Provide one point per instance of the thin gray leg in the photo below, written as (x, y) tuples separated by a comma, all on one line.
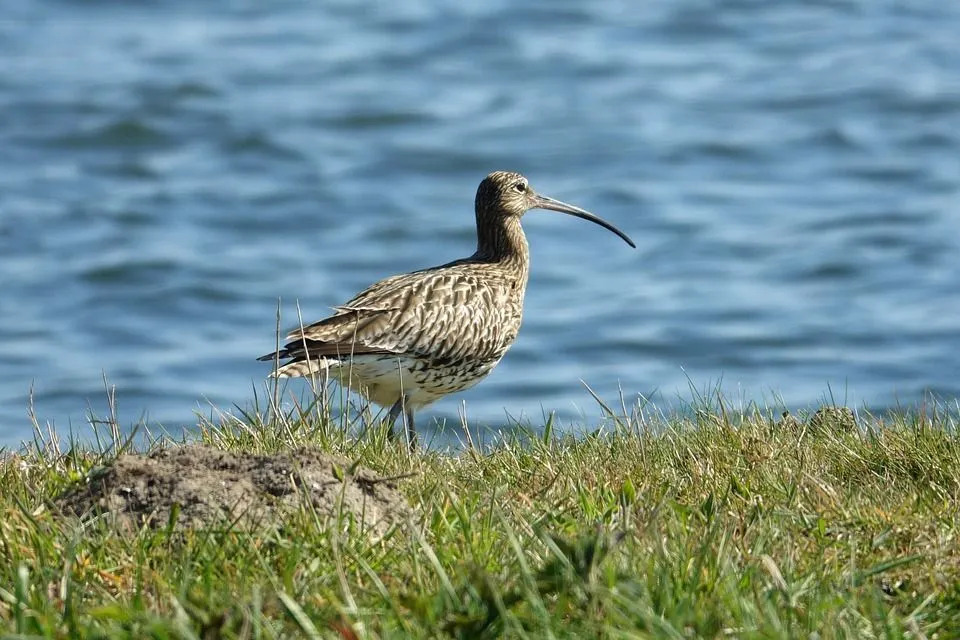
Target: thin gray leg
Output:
[(395, 412), (411, 430)]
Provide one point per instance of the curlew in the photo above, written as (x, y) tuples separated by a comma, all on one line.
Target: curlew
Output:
[(413, 338)]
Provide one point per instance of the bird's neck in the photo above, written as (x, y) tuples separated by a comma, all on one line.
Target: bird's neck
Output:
[(502, 241)]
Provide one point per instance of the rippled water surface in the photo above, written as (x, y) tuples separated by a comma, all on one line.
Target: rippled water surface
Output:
[(789, 171)]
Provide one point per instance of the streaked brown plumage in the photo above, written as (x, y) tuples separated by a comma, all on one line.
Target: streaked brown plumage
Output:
[(411, 339)]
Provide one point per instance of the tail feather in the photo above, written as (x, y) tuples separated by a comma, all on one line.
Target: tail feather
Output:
[(283, 354), (303, 368), (300, 348), (308, 357)]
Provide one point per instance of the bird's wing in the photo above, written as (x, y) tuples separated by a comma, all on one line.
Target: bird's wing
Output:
[(352, 329), (439, 313)]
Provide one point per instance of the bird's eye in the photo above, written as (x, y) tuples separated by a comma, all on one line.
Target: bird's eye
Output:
[(520, 186)]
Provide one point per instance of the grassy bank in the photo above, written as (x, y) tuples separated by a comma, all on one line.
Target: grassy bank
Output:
[(708, 524)]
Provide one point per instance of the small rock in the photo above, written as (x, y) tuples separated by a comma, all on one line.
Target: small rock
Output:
[(787, 421), (835, 419)]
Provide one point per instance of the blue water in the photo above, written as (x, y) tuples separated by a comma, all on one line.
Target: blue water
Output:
[(790, 172)]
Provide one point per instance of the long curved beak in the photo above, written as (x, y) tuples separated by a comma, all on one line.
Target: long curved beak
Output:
[(543, 202)]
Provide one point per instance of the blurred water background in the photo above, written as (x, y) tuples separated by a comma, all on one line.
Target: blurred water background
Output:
[(790, 172)]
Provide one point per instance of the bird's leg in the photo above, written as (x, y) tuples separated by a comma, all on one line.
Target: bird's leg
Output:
[(395, 412), (411, 430)]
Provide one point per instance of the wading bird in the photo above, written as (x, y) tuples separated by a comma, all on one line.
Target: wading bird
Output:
[(413, 338)]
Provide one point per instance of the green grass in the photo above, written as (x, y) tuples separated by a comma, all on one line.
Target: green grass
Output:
[(707, 523)]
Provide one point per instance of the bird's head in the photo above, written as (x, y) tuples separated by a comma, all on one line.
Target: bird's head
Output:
[(507, 194)]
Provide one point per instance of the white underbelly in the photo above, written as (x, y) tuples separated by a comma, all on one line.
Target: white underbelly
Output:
[(384, 379)]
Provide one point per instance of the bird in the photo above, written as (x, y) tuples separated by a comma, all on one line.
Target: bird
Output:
[(411, 339)]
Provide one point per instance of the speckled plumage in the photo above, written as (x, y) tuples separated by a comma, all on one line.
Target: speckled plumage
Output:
[(413, 338)]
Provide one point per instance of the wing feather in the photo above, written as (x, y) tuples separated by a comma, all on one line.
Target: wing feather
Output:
[(439, 313)]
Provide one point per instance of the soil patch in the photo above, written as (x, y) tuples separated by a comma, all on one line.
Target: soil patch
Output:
[(214, 487)]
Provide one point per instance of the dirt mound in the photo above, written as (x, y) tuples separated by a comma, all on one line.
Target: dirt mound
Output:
[(214, 487)]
